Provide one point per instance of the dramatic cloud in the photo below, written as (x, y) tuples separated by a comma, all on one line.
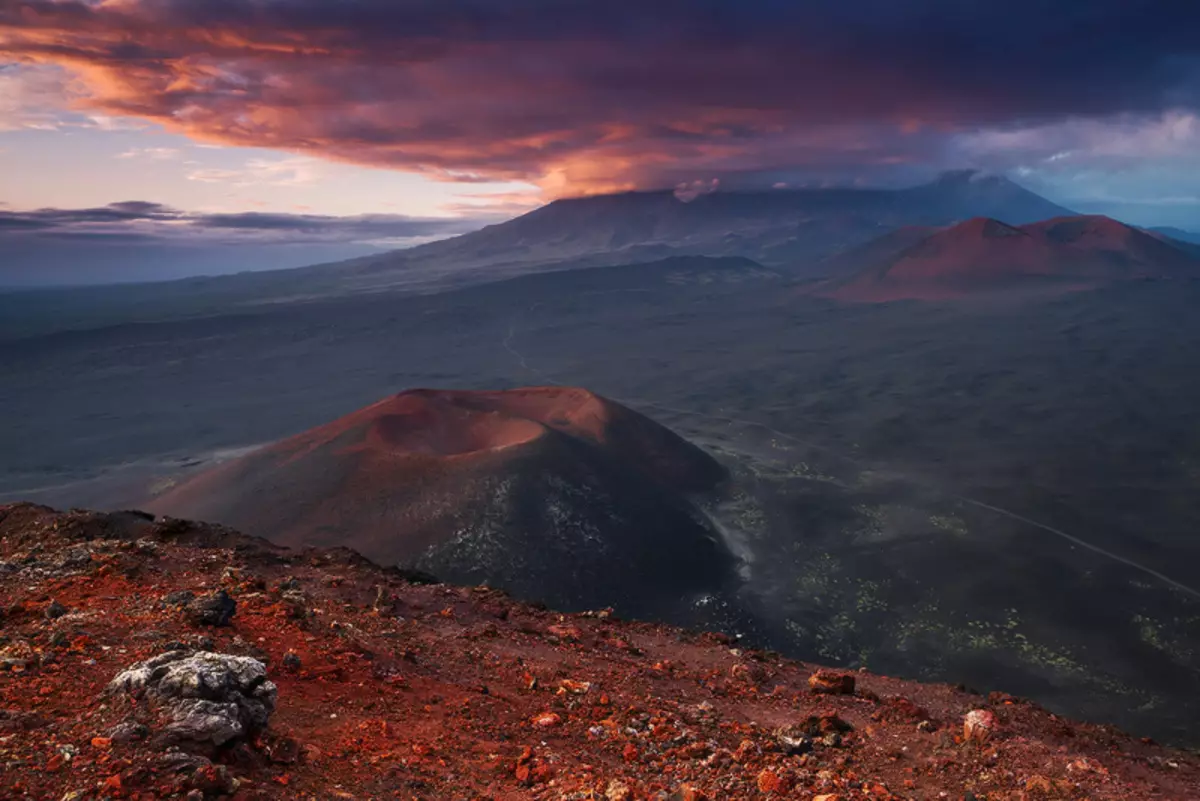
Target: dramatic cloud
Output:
[(602, 94)]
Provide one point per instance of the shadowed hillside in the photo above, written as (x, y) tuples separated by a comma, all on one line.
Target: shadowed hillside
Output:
[(555, 494)]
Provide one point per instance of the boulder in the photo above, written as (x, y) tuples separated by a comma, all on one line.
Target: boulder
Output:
[(830, 682), (203, 697), (979, 725)]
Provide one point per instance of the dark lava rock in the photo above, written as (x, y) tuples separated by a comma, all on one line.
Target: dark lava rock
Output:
[(214, 609), (55, 610), (128, 732), (179, 597)]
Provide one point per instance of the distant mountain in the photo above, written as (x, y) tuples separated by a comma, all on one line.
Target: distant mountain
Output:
[(784, 229), (796, 232), (985, 254), (1184, 240), (554, 494), (849, 262), (1178, 234)]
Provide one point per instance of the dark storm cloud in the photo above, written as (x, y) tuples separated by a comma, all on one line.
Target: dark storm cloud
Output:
[(590, 94), (152, 222), (112, 213)]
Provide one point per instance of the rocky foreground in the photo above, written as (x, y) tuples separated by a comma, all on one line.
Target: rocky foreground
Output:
[(147, 659)]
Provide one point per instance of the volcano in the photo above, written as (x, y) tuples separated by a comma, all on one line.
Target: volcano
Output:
[(554, 494), (983, 254)]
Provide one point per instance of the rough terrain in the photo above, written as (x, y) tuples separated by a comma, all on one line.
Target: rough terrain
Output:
[(380, 686)]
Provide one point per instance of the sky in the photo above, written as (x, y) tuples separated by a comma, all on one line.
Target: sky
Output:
[(242, 134)]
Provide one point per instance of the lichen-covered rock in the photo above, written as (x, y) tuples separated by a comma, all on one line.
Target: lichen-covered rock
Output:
[(203, 697)]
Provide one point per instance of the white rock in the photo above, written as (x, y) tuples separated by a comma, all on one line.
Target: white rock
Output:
[(206, 697)]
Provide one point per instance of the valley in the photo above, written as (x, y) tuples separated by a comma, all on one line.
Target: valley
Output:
[(886, 456)]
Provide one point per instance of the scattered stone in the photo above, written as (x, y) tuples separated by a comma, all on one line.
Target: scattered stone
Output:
[(128, 732), (205, 697), (821, 725), (832, 740), (618, 791), (181, 762), (775, 782), (291, 661), (566, 633), (213, 780), (283, 751), (55, 610), (829, 682), (546, 720), (793, 740), (296, 603), (927, 726), (289, 583), (899, 708), (214, 609), (687, 792), (978, 725), (179, 598), (1085, 765)]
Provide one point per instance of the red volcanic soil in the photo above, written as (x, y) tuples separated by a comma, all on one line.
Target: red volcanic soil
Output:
[(1064, 253), (507, 487), (388, 689), (460, 423)]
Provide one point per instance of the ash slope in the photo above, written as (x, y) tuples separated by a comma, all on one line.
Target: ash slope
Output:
[(436, 692), (983, 254), (554, 494)]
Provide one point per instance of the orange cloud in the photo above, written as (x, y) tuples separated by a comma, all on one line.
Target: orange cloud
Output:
[(588, 96)]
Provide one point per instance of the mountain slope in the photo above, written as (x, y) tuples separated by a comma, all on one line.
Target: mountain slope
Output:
[(386, 688), (984, 254), (553, 493), (793, 229)]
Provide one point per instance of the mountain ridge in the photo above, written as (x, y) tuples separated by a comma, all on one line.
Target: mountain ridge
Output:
[(778, 228), (983, 254)]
